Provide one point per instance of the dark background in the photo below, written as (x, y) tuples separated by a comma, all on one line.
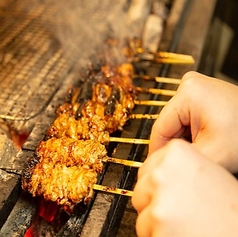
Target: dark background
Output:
[(229, 15)]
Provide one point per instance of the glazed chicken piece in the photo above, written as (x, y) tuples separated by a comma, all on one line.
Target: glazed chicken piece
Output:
[(65, 171), (84, 128), (99, 108)]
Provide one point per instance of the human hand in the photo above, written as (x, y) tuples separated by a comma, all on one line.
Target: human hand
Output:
[(208, 109), (180, 193)]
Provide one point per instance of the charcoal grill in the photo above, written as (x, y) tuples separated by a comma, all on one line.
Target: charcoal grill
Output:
[(35, 77)]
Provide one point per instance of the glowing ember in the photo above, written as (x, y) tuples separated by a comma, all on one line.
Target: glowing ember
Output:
[(29, 233), (48, 210), (18, 138)]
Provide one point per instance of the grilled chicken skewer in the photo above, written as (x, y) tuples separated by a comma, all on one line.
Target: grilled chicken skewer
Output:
[(96, 187), (130, 163), (136, 52), (65, 170)]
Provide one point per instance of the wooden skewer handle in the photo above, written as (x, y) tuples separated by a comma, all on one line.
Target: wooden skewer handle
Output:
[(157, 91), (150, 102), (129, 163), (112, 190), (168, 80), (164, 57), (144, 116), (174, 60), (129, 140), (174, 55)]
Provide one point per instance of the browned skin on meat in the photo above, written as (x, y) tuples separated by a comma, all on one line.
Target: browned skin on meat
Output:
[(94, 123), (66, 171), (84, 128)]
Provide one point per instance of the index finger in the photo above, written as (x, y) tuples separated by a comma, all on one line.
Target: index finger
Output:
[(171, 123)]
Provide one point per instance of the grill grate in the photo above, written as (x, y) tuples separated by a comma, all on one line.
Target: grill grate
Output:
[(31, 63)]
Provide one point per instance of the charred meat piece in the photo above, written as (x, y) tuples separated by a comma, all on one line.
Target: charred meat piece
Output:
[(66, 170), (84, 128), (111, 102), (85, 95), (105, 109)]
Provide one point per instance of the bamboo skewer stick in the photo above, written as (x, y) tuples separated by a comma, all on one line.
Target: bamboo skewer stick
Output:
[(168, 80), (174, 60), (107, 189), (144, 116), (131, 163), (165, 60), (165, 57), (163, 54), (129, 140), (150, 102), (157, 91)]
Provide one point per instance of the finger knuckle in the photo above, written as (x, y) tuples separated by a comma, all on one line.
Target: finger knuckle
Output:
[(191, 80)]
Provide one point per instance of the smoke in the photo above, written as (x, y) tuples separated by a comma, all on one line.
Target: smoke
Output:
[(82, 27)]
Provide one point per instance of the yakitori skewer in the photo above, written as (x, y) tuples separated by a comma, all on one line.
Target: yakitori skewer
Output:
[(96, 187), (129, 140), (151, 102), (137, 50), (112, 190), (144, 116), (156, 91), (131, 163), (168, 80)]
